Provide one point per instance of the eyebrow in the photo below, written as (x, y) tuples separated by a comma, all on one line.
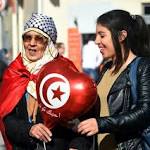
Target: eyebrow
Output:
[(101, 32)]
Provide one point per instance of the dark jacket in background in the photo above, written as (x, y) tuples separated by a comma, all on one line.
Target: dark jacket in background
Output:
[(3, 66)]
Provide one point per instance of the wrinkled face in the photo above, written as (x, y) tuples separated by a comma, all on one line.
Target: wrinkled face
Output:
[(34, 44), (104, 42)]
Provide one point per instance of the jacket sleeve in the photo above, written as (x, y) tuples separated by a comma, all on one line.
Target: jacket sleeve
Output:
[(137, 118), (17, 131), (82, 142)]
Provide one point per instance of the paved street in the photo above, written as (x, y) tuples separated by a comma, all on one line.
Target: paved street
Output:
[(2, 147)]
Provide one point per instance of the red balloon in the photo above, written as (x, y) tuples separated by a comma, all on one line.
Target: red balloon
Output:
[(63, 92)]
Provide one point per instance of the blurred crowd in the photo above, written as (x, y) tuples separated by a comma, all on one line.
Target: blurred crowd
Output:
[(4, 61)]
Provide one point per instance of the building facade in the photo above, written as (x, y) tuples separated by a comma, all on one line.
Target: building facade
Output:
[(74, 20)]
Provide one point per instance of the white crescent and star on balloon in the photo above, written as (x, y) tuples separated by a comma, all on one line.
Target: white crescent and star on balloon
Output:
[(58, 91)]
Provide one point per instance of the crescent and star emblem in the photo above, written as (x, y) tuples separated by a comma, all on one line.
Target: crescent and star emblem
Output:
[(57, 90)]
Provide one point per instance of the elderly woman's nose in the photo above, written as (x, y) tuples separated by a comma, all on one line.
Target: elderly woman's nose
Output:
[(33, 41)]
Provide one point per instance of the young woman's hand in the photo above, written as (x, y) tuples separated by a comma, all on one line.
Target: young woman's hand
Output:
[(88, 127), (41, 132)]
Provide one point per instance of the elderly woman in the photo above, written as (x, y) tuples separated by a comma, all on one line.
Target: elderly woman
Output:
[(21, 122)]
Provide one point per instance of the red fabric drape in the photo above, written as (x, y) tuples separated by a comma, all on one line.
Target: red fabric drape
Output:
[(15, 80)]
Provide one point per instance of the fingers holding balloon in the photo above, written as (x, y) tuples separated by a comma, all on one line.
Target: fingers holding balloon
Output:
[(46, 134), (88, 127), (41, 132)]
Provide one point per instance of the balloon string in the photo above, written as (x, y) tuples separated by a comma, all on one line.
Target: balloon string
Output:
[(93, 142), (44, 144)]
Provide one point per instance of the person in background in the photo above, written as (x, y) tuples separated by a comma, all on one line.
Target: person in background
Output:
[(4, 55), (91, 59), (122, 38), (21, 123), (60, 47), (3, 66), (3, 62)]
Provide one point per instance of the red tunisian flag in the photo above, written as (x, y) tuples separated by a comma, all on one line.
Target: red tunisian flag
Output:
[(15, 80)]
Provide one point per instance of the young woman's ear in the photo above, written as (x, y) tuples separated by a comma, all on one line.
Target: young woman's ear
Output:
[(122, 35)]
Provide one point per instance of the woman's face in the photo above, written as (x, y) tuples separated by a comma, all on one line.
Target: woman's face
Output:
[(104, 42), (35, 45)]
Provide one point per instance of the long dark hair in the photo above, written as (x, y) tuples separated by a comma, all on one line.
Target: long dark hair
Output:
[(137, 39)]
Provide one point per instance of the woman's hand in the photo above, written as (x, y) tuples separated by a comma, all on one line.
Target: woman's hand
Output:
[(41, 132), (88, 127)]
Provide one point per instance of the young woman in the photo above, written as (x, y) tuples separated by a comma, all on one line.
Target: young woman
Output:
[(122, 38)]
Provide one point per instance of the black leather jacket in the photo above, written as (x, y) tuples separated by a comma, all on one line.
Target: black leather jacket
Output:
[(127, 120)]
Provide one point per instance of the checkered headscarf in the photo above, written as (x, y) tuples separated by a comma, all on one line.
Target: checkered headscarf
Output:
[(43, 23)]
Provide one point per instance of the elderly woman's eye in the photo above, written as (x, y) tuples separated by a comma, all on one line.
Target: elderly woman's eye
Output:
[(37, 38), (27, 38), (40, 39)]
